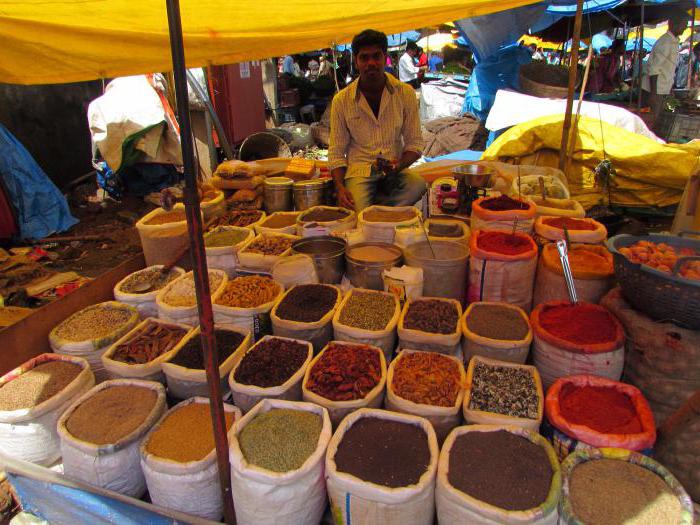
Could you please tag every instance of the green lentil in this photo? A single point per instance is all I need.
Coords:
(281, 439)
(221, 238)
(368, 310)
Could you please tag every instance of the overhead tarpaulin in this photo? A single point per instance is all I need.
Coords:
(74, 40)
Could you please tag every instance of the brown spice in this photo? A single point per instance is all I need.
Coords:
(373, 253)
(270, 244)
(282, 220)
(165, 218)
(37, 385)
(613, 492)
(497, 322)
(237, 218)
(432, 315)
(389, 216)
(150, 342)
(345, 372)
(427, 378)
(111, 414)
(249, 292)
(186, 434)
(323, 215)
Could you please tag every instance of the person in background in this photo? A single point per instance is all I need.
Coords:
(538, 54)
(681, 80)
(375, 117)
(288, 65)
(389, 65)
(408, 71)
(313, 72)
(661, 67)
(606, 74)
(422, 58)
(435, 62)
(324, 67)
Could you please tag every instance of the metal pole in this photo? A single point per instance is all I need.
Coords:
(573, 70)
(639, 59)
(199, 261)
(691, 55)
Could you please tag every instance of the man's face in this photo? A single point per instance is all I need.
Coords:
(370, 61)
(677, 26)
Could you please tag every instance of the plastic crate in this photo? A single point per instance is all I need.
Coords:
(678, 127)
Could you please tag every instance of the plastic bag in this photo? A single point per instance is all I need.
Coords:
(443, 419)
(145, 303)
(295, 269)
(405, 282)
(226, 257)
(191, 487)
(345, 224)
(263, 497)
(115, 466)
(456, 507)
(384, 339)
(500, 349)
(150, 371)
(254, 320)
(337, 410)
(481, 417)
(552, 233)
(184, 382)
(258, 261)
(385, 231)
(188, 315)
(484, 219)
(246, 397)
(364, 503)
(30, 434)
(430, 342)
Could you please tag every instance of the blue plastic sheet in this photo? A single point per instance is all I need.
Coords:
(40, 208)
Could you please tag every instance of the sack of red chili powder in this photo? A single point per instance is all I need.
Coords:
(499, 213)
(345, 377)
(583, 230)
(502, 268)
(592, 269)
(579, 338)
(594, 411)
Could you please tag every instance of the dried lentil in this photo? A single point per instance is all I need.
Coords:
(497, 322)
(190, 355)
(427, 378)
(282, 220)
(501, 469)
(150, 342)
(222, 238)
(154, 277)
(613, 492)
(270, 244)
(183, 293)
(345, 372)
(186, 434)
(323, 215)
(249, 292)
(385, 452)
(93, 322)
(111, 414)
(166, 218)
(506, 390)
(388, 216)
(307, 303)
(241, 218)
(281, 439)
(432, 315)
(37, 385)
(271, 362)
(368, 310)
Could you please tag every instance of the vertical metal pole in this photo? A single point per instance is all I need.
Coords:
(573, 70)
(199, 261)
(691, 55)
(640, 63)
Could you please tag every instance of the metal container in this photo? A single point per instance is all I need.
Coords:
(328, 191)
(328, 254)
(365, 271)
(308, 193)
(278, 194)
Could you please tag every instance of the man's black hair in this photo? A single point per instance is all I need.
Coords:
(369, 37)
(410, 44)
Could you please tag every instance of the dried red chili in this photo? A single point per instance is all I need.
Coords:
(345, 373)
(602, 409)
(503, 203)
(503, 242)
(570, 224)
(579, 323)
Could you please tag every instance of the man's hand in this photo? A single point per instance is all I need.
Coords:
(345, 199)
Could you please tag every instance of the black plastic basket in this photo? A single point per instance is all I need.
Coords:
(661, 295)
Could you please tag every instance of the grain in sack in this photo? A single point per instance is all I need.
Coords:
(273, 368)
(177, 302)
(89, 332)
(102, 430)
(500, 213)
(379, 223)
(222, 244)
(329, 218)
(279, 222)
(429, 385)
(579, 338)
(490, 475)
(431, 324)
(368, 317)
(264, 250)
(178, 459)
(185, 372)
(496, 330)
(277, 455)
(32, 398)
(502, 268)
(345, 377)
(583, 230)
(380, 468)
(126, 290)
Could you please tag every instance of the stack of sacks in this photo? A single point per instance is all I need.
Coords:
(244, 177)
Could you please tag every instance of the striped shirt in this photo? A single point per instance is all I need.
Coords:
(358, 137)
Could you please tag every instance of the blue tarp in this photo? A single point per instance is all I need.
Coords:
(568, 8)
(40, 208)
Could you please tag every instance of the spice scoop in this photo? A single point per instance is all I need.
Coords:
(563, 250)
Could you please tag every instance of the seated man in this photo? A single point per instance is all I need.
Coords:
(375, 133)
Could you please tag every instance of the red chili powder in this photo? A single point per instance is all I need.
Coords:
(583, 324)
(571, 224)
(603, 409)
(503, 203)
(503, 243)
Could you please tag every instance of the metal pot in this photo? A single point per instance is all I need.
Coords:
(366, 273)
(278, 194)
(328, 254)
(308, 193)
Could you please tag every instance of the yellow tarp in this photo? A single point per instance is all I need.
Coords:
(72, 40)
(648, 173)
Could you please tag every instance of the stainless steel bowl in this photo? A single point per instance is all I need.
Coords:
(474, 175)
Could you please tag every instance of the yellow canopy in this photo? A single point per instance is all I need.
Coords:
(436, 42)
(74, 40)
(544, 44)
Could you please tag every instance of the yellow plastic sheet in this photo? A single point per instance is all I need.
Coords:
(648, 173)
(73, 40)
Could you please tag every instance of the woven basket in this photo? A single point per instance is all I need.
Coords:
(660, 295)
(538, 89)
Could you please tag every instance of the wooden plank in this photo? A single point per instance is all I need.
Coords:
(30, 336)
